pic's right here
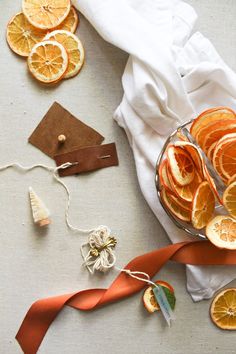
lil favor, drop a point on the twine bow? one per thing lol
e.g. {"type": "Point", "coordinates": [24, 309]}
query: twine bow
{"type": "Point", "coordinates": [101, 255]}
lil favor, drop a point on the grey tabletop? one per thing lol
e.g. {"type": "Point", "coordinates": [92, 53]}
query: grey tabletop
{"type": "Point", "coordinates": [34, 265]}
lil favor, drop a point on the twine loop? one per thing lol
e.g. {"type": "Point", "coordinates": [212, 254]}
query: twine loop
{"type": "Point", "coordinates": [100, 254]}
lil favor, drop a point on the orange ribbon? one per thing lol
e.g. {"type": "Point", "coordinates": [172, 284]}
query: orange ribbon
{"type": "Point", "coordinates": [43, 312]}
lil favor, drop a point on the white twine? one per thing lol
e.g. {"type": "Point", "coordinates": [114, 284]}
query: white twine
{"type": "Point", "coordinates": [101, 255]}
{"type": "Point", "coordinates": [106, 258]}
{"type": "Point", "coordinates": [98, 237]}
{"type": "Point", "coordinates": [162, 300]}
{"type": "Point", "coordinates": [134, 274]}
{"type": "Point", "coordinates": [54, 172]}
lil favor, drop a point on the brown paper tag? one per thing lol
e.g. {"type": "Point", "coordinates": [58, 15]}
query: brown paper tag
{"type": "Point", "coordinates": [58, 121]}
{"type": "Point", "coordinates": [88, 158]}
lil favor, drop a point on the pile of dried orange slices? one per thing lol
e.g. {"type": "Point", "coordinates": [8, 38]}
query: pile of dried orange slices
{"type": "Point", "coordinates": [187, 189]}
{"type": "Point", "coordinates": [44, 32]}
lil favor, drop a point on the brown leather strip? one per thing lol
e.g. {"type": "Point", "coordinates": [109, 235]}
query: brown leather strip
{"type": "Point", "coordinates": [89, 159]}
{"type": "Point", "coordinates": [58, 121]}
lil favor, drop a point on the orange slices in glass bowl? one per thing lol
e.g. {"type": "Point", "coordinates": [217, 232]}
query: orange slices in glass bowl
{"type": "Point", "coordinates": [196, 177]}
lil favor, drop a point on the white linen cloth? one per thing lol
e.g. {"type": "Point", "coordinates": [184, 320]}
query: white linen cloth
{"type": "Point", "coordinates": [171, 76]}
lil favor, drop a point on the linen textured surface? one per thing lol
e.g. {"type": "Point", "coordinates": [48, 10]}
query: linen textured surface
{"type": "Point", "coordinates": [172, 75]}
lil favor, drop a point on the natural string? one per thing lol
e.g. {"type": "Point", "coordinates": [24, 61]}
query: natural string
{"type": "Point", "coordinates": [100, 256]}
{"type": "Point", "coordinates": [106, 259]}
{"type": "Point", "coordinates": [55, 176]}
{"type": "Point", "coordinates": [98, 236]}
{"type": "Point", "coordinates": [99, 241]}
{"type": "Point", "coordinates": [134, 275]}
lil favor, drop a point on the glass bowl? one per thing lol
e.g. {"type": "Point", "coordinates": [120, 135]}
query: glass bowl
{"type": "Point", "coordinates": [219, 209]}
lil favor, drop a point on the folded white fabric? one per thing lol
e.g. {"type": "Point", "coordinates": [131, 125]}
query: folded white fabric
{"type": "Point", "coordinates": [170, 77]}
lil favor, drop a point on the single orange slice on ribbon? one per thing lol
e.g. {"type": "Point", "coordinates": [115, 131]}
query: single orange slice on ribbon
{"type": "Point", "coordinates": [22, 36]}
{"type": "Point", "coordinates": [181, 165]}
{"type": "Point", "coordinates": [221, 231]}
{"type": "Point", "coordinates": [223, 309]}
{"type": "Point", "coordinates": [149, 300]}
{"type": "Point", "coordinates": [46, 14]}
{"type": "Point", "coordinates": [203, 206]}
{"type": "Point", "coordinates": [48, 61]}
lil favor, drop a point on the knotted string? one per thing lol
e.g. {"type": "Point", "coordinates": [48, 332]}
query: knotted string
{"type": "Point", "coordinates": [98, 237]}
{"type": "Point", "coordinates": [54, 171]}
{"type": "Point", "coordinates": [101, 254]}
{"type": "Point", "coordinates": [136, 275]}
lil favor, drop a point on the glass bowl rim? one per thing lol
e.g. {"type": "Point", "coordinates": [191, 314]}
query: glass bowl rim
{"type": "Point", "coordinates": [177, 222]}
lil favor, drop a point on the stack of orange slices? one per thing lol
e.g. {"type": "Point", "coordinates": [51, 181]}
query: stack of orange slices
{"type": "Point", "coordinates": [44, 33]}
{"type": "Point", "coordinates": [187, 189]}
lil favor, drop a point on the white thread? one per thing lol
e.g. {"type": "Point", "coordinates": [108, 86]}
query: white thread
{"type": "Point", "coordinates": [133, 275]}
{"type": "Point", "coordinates": [164, 304]}
{"type": "Point", "coordinates": [106, 258]}
{"type": "Point", "coordinates": [54, 172]}
{"type": "Point", "coordinates": [98, 236]}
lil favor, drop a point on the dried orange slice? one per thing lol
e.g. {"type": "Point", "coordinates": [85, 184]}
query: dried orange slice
{"type": "Point", "coordinates": [224, 158]}
{"type": "Point", "coordinates": [73, 47]}
{"type": "Point", "coordinates": [48, 61]}
{"type": "Point", "coordinates": [229, 199]}
{"type": "Point", "coordinates": [223, 309]}
{"type": "Point", "coordinates": [195, 154]}
{"type": "Point", "coordinates": [174, 205]}
{"type": "Point", "coordinates": [210, 116]}
{"type": "Point", "coordinates": [22, 36]}
{"type": "Point", "coordinates": [203, 206]}
{"type": "Point", "coordinates": [232, 179]}
{"type": "Point", "coordinates": [213, 132]}
{"type": "Point", "coordinates": [149, 300]}
{"type": "Point", "coordinates": [46, 14]}
{"type": "Point", "coordinates": [184, 192]}
{"type": "Point", "coordinates": [71, 22]}
{"type": "Point", "coordinates": [221, 231]}
{"type": "Point", "coordinates": [211, 182]}
{"type": "Point", "coordinates": [210, 151]}
{"type": "Point", "coordinates": [164, 179]}
{"type": "Point", "coordinates": [181, 165]}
